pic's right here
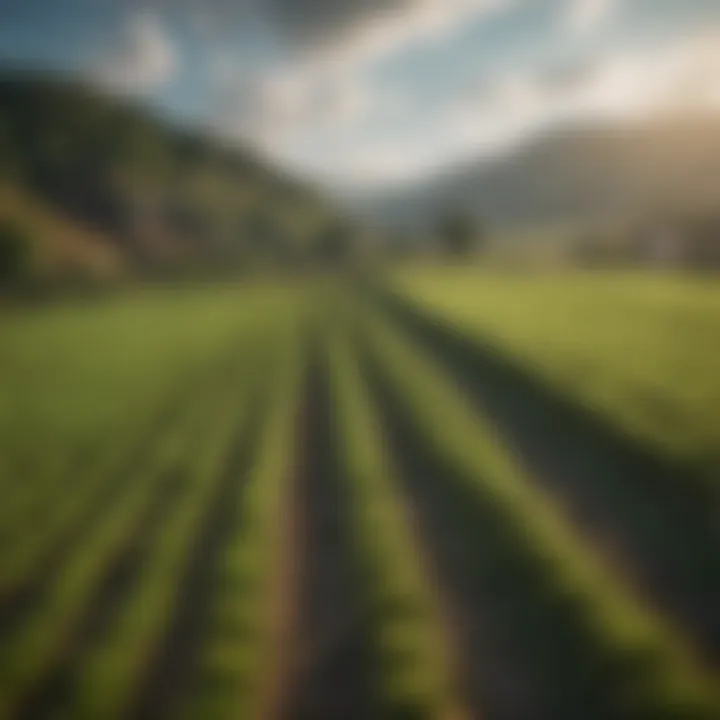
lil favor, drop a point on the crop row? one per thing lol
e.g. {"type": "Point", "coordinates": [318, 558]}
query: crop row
{"type": "Point", "coordinates": [242, 643]}
{"type": "Point", "coordinates": [571, 603]}
{"type": "Point", "coordinates": [88, 597]}
{"type": "Point", "coordinates": [413, 656]}
{"type": "Point", "coordinates": [144, 532]}
{"type": "Point", "coordinates": [641, 349]}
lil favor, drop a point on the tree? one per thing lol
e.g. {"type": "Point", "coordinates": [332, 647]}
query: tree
{"type": "Point", "coordinates": [460, 235]}
{"type": "Point", "coordinates": [334, 244]}
{"type": "Point", "coordinates": [15, 252]}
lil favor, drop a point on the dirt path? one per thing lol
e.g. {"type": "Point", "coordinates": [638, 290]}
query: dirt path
{"type": "Point", "coordinates": [328, 671]}
{"type": "Point", "coordinates": [655, 524]}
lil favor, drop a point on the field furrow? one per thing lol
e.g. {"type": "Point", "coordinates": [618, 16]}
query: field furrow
{"type": "Point", "coordinates": [361, 498]}
{"type": "Point", "coordinates": [241, 653]}
{"type": "Point", "coordinates": [175, 660]}
{"type": "Point", "coordinates": [96, 488]}
{"type": "Point", "coordinates": [329, 664]}
{"type": "Point", "coordinates": [413, 654]}
{"type": "Point", "coordinates": [577, 641]}
{"type": "Point", "coordinates": [651, 521]}
{"type": "Point", "coordinates": [44, 654]}
{"type": "Point", "coordinates": [111, 674]}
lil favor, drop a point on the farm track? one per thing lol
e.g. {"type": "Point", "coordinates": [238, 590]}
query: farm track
{"type": "Point", "coordinates": [328, 666]}
{"type": "Point", "coordinates": [655, 524]}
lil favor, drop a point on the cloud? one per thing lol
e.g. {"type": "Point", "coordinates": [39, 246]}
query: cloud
{"type": "Point", "coordinates": [628, 86]}
{"type": "Point", "coordinates": [310, 21]}
{"type": "Point", "coordinates": [391, 32]}
{"type": "Point", "coordinates": [325, 87]}
{"type": "Point", "coordinates": [583, 17]}
{"type": "Point", "coordinates": [358, 26]}
{"type": "Point", "coordinates": [681, 78]}
{"type": "Point", "coordinates": [143, 58]}
{"type": "Point", "coordinates": [305, 79]}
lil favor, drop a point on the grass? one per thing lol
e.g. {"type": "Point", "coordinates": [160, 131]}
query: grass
{"type": "Point", "coordinates": [412, 650]}
{"type": "Point", "coordinates": [642, 349]}
{"type": "Point", "coordinates": [156, 472]}
{"type": "Point", "coordinates": [673, 681]}
{"type": "Point", "coordinates": [114, 669]}
{"type": "Point", "coordinates": [147, 383]}
{"type": "Point", "coordinates": [241, 645]}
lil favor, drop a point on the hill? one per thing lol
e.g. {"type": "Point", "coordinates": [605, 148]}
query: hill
{"type": "Point", "coordinates": [579, 174]}
{"type": "Point", "coordinates": [128, 185]}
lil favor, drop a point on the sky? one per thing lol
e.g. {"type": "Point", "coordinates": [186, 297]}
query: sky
{"type": "Point", "coordinates": [358, 94]}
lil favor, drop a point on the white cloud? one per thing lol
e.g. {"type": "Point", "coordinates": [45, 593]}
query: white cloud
{"type": "Point", "coordinates": [423, 22]}
{"type": "Point", "coordinates": [143, 59]}
{"type": "Point", "coordinates": [582, 17]}
{"type": "Point", "coordinates": [324, 114]}
{"type": "Point", "coordinates": [684, 77]}
{"type": "Point", "coordinates": [280, 109]}
{"type": "Point", "coordinates": [326, 86]}
{"type": "Point", "coordinates": [620, 87]}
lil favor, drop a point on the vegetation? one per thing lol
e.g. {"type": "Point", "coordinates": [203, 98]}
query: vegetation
{"type": "Point", "coordinates": [663, 679]}
{"type": "Point", "coordinates": [235, 501]}
{"type": "Point", "coordinates": [240, 648]}
{"type": "Point", "coordinates": [411, 648]}
{"type": "Point", "coordinates": [418, 493]}
{"type": "Point", "coordinates": [165, 200]}
{"type": "Point", "coordinates": [460, 236]}
{"type": "Point", "coordinates": [641, 350]}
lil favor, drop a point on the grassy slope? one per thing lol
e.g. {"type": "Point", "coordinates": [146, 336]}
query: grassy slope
{"type": "Point", "coordinates": [62, 247]}
{"type": "Point", "coordinates": [160, 196]}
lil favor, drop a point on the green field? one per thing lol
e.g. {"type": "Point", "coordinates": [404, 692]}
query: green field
{"type": "Point", "coordinates": [641, 350]}
{"type": "Point", "coordinates": [453, 495]}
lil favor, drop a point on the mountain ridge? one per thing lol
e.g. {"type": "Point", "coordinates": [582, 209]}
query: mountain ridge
{"type": "Point", "coordinates": [581, 173]}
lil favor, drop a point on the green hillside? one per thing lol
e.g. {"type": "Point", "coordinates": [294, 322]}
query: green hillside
{"type": "Point", "coordinates": [151, 195]}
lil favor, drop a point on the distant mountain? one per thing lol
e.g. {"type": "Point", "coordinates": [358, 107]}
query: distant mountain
{"type": "Point", "coordinates": [581, 174]}
{"type": "Point", "coordinates": [133, 191]}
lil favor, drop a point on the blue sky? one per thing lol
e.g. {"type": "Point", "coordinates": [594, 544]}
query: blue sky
{"type": "Point", "coordinates": [368, 93]}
